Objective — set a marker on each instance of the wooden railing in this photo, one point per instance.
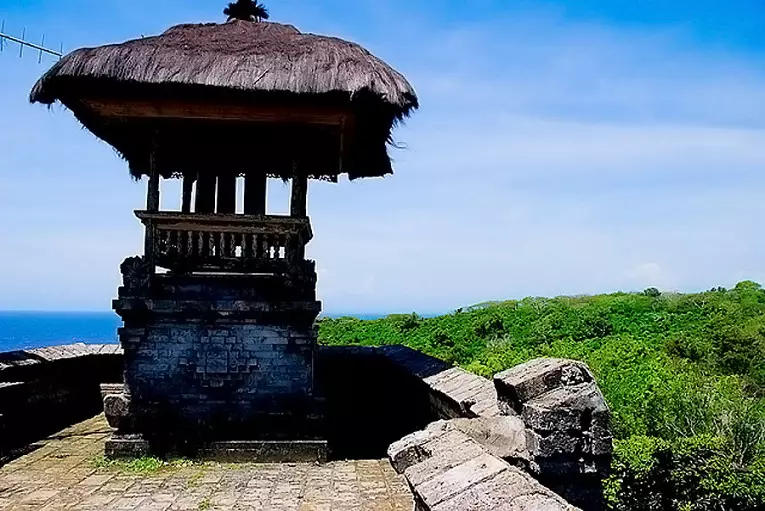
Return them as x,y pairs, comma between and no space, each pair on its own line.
189,243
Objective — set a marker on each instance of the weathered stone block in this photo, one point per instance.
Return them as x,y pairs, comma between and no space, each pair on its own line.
446,458
541,417
527,381
504,437
126,446
565,408
510,490
554,444
571,467
458,479
117,410
111,388
408,451
600,440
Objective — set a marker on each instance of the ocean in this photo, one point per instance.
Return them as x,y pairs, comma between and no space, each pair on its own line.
23,330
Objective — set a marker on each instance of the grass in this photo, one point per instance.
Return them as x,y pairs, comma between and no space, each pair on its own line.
146,465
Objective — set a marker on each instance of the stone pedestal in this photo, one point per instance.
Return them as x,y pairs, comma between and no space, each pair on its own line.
217,359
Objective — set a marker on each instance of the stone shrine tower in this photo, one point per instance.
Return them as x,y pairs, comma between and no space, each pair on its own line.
219,311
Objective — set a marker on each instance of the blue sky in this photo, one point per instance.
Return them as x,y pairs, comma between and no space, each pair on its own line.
562,147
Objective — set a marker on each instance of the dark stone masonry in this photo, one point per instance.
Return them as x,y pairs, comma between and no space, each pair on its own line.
202,367
46,389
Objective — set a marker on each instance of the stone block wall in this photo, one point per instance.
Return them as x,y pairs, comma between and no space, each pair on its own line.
219,375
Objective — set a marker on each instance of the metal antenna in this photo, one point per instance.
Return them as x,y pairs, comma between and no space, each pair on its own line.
22,42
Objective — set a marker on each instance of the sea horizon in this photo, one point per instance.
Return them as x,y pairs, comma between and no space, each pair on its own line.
28,329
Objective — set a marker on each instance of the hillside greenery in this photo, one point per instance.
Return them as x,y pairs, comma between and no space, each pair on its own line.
684,375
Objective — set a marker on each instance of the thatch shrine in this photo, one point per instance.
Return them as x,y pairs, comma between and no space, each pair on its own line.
219,311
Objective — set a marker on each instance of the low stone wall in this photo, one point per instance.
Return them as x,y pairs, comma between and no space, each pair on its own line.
452,391
44,390
376,395
545,436
448,470
537,434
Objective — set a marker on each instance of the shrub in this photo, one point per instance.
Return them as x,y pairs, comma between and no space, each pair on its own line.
652,292
691,474
405,322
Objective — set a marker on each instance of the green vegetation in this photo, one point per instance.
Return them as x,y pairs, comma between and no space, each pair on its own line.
684,376
141,466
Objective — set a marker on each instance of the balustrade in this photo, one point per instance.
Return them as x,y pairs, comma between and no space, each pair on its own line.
188,242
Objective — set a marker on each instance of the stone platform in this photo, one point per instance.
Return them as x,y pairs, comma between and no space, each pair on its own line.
62,474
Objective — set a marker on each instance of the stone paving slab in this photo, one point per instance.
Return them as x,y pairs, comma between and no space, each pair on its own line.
61,473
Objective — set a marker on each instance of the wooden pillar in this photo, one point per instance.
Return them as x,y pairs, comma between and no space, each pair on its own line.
188,186
255,184
205,197
227,193
298,202
152,204
152,196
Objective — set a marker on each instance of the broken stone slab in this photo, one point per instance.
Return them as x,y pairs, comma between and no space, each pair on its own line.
504,436
447,457
527,381
458,479
486,408
510,490
408,451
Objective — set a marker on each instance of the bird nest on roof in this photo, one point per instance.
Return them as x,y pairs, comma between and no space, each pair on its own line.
241,63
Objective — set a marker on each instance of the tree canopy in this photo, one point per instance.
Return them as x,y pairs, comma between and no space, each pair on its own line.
247,10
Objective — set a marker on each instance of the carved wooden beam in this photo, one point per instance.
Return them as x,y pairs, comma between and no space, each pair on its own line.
152,203
175,109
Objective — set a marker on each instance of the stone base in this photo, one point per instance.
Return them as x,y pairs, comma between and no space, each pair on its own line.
126,446
266,451
232,451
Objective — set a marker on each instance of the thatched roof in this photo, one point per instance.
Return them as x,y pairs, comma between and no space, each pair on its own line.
246,61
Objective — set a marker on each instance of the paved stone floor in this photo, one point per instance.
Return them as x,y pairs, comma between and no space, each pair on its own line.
64,474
